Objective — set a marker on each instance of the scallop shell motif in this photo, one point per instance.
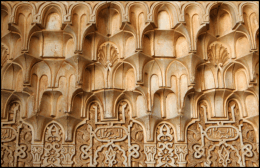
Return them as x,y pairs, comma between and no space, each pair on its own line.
108,54
218,54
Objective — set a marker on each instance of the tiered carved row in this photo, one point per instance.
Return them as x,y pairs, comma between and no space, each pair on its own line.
129,83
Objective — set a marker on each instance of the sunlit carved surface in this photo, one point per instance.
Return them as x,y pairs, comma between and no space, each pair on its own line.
129,84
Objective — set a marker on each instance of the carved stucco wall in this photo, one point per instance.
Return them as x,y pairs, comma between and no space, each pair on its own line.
129,83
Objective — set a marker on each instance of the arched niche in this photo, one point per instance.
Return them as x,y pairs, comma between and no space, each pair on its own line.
13,78
64,86
80,17
252,106
18,45
4,20
156,106
50,104
77,105
32,100
203,41
222,19
193,19
138,18
242,46
163,20
154,86
241,80
65,70
251,20
69,48
183,87
141,106
130,44
67,88
54,40
88,46
229,76
199,77
124,77
23,19
108,20
98,76
130,80
152,68
182,46
24,10
174,83
147,44
36,44
138,15
164,15
42,86
209,80
122,104
40,69
11,108
87,80
52,18
176,69
171,105
91,104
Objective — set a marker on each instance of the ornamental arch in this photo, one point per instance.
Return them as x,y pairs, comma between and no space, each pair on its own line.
137,84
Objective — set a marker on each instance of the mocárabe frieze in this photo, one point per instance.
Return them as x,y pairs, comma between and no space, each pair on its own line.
129,84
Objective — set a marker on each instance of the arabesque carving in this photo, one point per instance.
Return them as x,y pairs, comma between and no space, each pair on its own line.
130,83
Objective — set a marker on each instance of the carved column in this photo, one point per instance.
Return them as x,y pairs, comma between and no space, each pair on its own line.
181,150
37,151
150,151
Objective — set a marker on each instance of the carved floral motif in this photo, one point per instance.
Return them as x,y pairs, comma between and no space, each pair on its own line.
118,145
136,84
52,146
16,139
218,54
229,147
107,54
165,147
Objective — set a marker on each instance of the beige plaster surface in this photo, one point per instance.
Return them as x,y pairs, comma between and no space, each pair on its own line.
124,83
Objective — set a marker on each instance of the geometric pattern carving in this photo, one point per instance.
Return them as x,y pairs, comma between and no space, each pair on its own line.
221,143
110,145
16,139
165,146
129,84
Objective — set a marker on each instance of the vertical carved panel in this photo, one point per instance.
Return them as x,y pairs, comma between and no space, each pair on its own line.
16,139
52,146
109,143
165,146
221,143
129,84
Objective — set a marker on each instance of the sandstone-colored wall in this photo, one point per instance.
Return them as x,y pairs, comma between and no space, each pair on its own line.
129,83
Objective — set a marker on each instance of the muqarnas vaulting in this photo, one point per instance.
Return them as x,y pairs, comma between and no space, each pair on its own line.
132,84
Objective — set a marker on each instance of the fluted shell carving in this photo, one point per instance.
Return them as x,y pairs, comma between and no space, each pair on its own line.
128,83
218,54
108,54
